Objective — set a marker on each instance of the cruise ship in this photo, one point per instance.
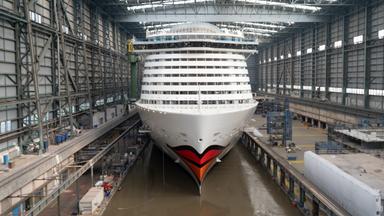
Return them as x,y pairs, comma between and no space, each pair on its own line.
195,93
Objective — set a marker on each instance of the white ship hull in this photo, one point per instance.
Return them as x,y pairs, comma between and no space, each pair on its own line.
196,94
196,141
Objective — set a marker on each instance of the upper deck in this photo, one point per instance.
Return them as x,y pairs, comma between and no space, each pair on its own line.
196,35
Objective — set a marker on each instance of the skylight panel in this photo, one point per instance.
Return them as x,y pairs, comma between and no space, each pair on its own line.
163,25
157,4
283,5
262,25
249,29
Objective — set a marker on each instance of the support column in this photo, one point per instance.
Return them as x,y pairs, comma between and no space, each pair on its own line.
282,178
345,62
257,153
54,67
65,66
259,75
327,60
274,172
278,77
267,70
58,197
313,61
292,65
78,196
92,175
315,207
302,197
34,71
367,74
301,66
79,9
133,61
58,205
95,63
19,84
104,66
285,68
291,188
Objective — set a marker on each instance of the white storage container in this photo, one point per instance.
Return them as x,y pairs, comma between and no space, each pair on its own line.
358,193
91,200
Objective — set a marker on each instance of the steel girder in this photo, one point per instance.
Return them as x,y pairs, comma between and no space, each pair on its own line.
222,14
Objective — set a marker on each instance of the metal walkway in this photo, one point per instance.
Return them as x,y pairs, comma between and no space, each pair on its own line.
20,181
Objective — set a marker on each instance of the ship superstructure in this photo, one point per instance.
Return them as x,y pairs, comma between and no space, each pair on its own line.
196,94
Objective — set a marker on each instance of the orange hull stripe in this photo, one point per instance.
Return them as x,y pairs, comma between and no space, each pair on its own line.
198,171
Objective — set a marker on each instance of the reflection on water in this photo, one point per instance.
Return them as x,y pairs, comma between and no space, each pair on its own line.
237,186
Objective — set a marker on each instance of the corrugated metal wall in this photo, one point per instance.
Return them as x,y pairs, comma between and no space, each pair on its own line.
347,72
95,50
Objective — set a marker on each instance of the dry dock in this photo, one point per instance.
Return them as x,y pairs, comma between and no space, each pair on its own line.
237,186
243,184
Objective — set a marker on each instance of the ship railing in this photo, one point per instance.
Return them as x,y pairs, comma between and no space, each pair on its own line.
197,107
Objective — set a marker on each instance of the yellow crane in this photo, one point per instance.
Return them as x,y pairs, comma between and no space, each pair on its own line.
133,60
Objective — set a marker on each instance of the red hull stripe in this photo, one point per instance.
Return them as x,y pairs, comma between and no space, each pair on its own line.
199,160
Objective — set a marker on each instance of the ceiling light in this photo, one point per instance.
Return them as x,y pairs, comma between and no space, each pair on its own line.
283,5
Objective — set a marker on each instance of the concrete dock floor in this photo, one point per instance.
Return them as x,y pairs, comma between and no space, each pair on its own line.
304,137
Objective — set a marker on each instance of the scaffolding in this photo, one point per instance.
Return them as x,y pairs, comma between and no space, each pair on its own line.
64,60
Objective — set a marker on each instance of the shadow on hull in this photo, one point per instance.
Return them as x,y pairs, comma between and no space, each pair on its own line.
198,165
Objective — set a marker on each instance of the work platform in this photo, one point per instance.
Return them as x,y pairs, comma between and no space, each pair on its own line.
31,172
304,137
